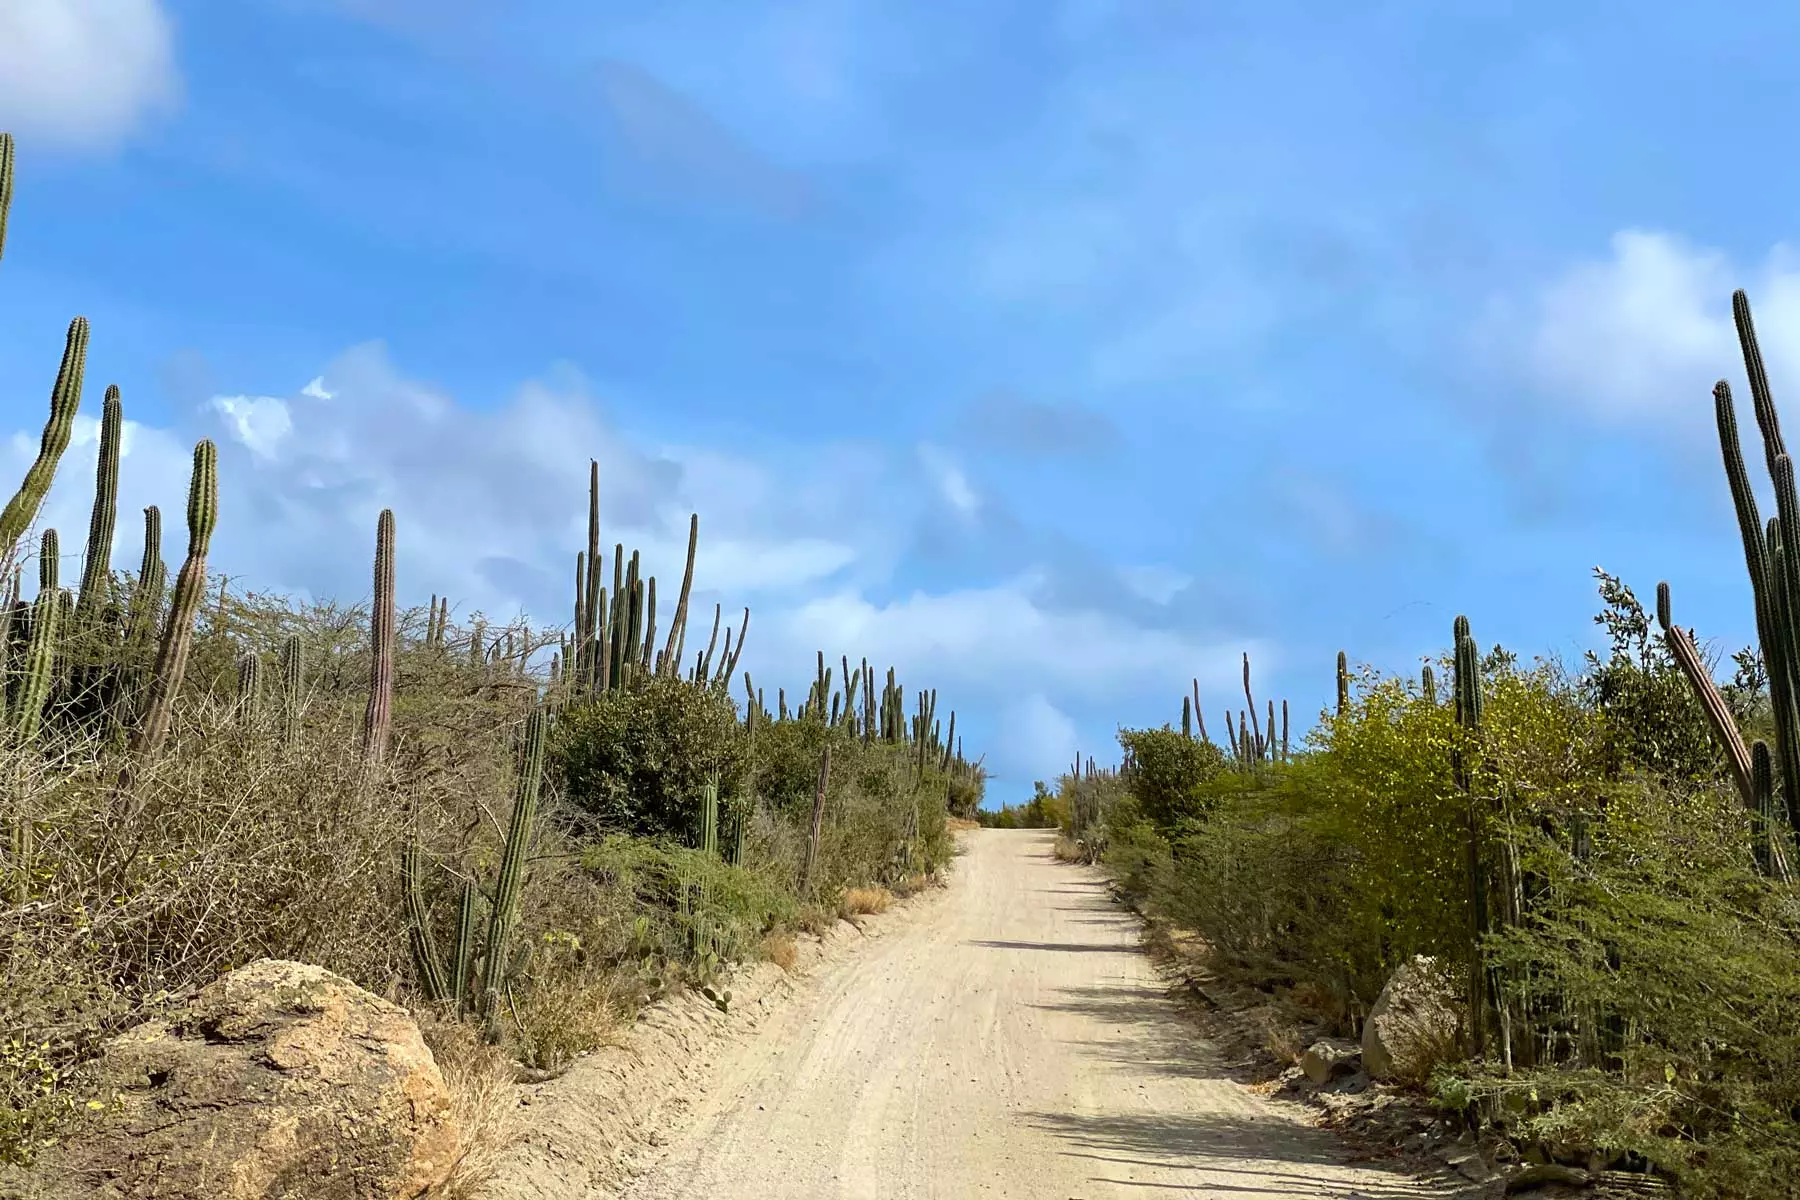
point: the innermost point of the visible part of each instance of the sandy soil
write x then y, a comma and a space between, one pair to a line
1008, 1039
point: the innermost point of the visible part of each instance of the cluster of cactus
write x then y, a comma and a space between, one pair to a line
1087, 819
475, 981
613, 641
1772, 557
1250, 742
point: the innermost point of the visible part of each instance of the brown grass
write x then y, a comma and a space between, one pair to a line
780, 949
484, 1103
865, 901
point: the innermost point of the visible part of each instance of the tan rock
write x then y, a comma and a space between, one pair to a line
1416, 1023
279, 1080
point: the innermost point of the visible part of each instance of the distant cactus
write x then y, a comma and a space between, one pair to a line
1343, 683
378, 720
190, 587
65, 399
145, 604
96, 572
709, 819
7, 155
293, 688
512, 867
677, 642
249, 691
37, 672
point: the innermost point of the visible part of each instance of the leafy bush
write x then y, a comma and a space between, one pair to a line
635, 759
1168, 770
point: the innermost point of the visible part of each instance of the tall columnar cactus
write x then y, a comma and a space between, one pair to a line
96, 571
677, 641
378, 721
512, 867
1343, 683
1686, 653
1199, 714
293, 688
1774, 575
37, 673
190, 588
147, 592
1466, 686
249, 690
7, 155
709, 818
65, 399
1428, 685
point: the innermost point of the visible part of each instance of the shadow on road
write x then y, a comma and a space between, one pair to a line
1239, 1155
1063, 947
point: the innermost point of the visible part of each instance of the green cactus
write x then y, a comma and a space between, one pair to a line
512, 867
65, 399
145, 605
96, 572
190, 588
249, 689
6, 185
37, 672
709, 819
465, 946
1343, 683
378, 720
293, 688
677, 641
424, 946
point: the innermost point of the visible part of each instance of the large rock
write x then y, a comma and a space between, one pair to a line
279, 1080
1416, 1023
1329, 1059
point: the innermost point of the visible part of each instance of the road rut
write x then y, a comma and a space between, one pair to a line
1012, 1041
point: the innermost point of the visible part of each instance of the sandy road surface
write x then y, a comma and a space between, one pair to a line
1012, 1042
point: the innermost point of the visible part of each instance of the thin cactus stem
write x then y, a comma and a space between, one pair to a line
7, 156
465, 944
96, 572
378, 720
293, 688
677, 642
249, 696
512, 865
424, 947
190, 588
38, 670
65, 399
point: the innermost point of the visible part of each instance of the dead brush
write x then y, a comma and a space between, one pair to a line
865, 901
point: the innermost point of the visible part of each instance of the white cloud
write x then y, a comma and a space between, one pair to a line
1642, 335
1034, 730
316, 390
491, 507
84, 72
1003, 636
258, 422
952, 483
1157, 584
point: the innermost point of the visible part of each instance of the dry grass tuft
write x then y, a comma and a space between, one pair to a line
484, 1103
780, 949
865, 901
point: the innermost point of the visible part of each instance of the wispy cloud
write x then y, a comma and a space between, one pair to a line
85, 73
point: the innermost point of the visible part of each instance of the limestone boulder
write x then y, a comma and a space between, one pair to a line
277, 1081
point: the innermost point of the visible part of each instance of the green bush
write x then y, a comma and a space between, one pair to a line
635, 759
1167, 771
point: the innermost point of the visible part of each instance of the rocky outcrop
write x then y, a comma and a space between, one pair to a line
1416, 1023
279, 1080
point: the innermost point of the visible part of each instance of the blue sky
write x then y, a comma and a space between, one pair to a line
1055, 352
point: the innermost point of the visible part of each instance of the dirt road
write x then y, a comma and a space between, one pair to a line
1012, 1041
